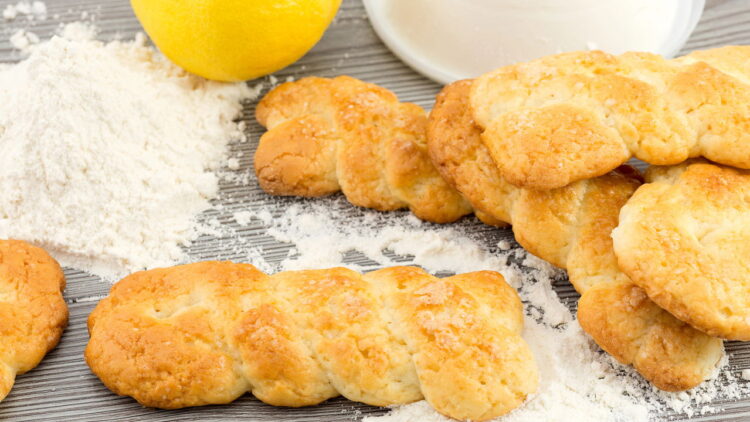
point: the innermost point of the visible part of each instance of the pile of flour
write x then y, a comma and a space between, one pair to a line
578, 381
109, 151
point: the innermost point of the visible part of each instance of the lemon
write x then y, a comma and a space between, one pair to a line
234, 40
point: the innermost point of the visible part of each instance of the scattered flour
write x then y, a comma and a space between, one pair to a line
78, 31
233, 163
109, 151
32, 10
578, 382
504, 245
379, 240
243, 218
242, 125
23, 40
95, 298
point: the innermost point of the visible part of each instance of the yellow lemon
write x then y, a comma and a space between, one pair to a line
234, 40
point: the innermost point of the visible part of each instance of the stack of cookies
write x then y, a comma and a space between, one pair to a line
658, 259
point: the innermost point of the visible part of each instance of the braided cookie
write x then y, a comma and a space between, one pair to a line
573, 116
684, 238
570, 227
326, 135
33, 312
206, 333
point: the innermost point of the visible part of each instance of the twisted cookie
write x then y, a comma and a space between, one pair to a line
684, 238
33, 313
208, 332
326, 135
578, 115
570, 227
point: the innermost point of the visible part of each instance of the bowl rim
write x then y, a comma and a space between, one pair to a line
688, 15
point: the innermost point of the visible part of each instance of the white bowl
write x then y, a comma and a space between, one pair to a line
447, 40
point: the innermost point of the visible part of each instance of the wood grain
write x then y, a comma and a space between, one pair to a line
62, 388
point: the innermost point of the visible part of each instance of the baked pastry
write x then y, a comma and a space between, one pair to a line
615, 312
683, 237
33, 312
326, 135
456, 150
573, 116
570, 227
206, 333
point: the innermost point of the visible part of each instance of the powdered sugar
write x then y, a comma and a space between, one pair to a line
108, 152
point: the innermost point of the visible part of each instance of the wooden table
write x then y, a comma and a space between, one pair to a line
62, 387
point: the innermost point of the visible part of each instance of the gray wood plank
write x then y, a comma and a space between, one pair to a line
62, 388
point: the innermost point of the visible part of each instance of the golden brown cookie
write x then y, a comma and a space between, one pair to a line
33, 312
326, 135
684, 237
206, 333
455, 147
570, 227
573, 116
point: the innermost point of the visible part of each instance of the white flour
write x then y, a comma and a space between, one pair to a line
23, 40
108, 152
578, 382
32, 10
